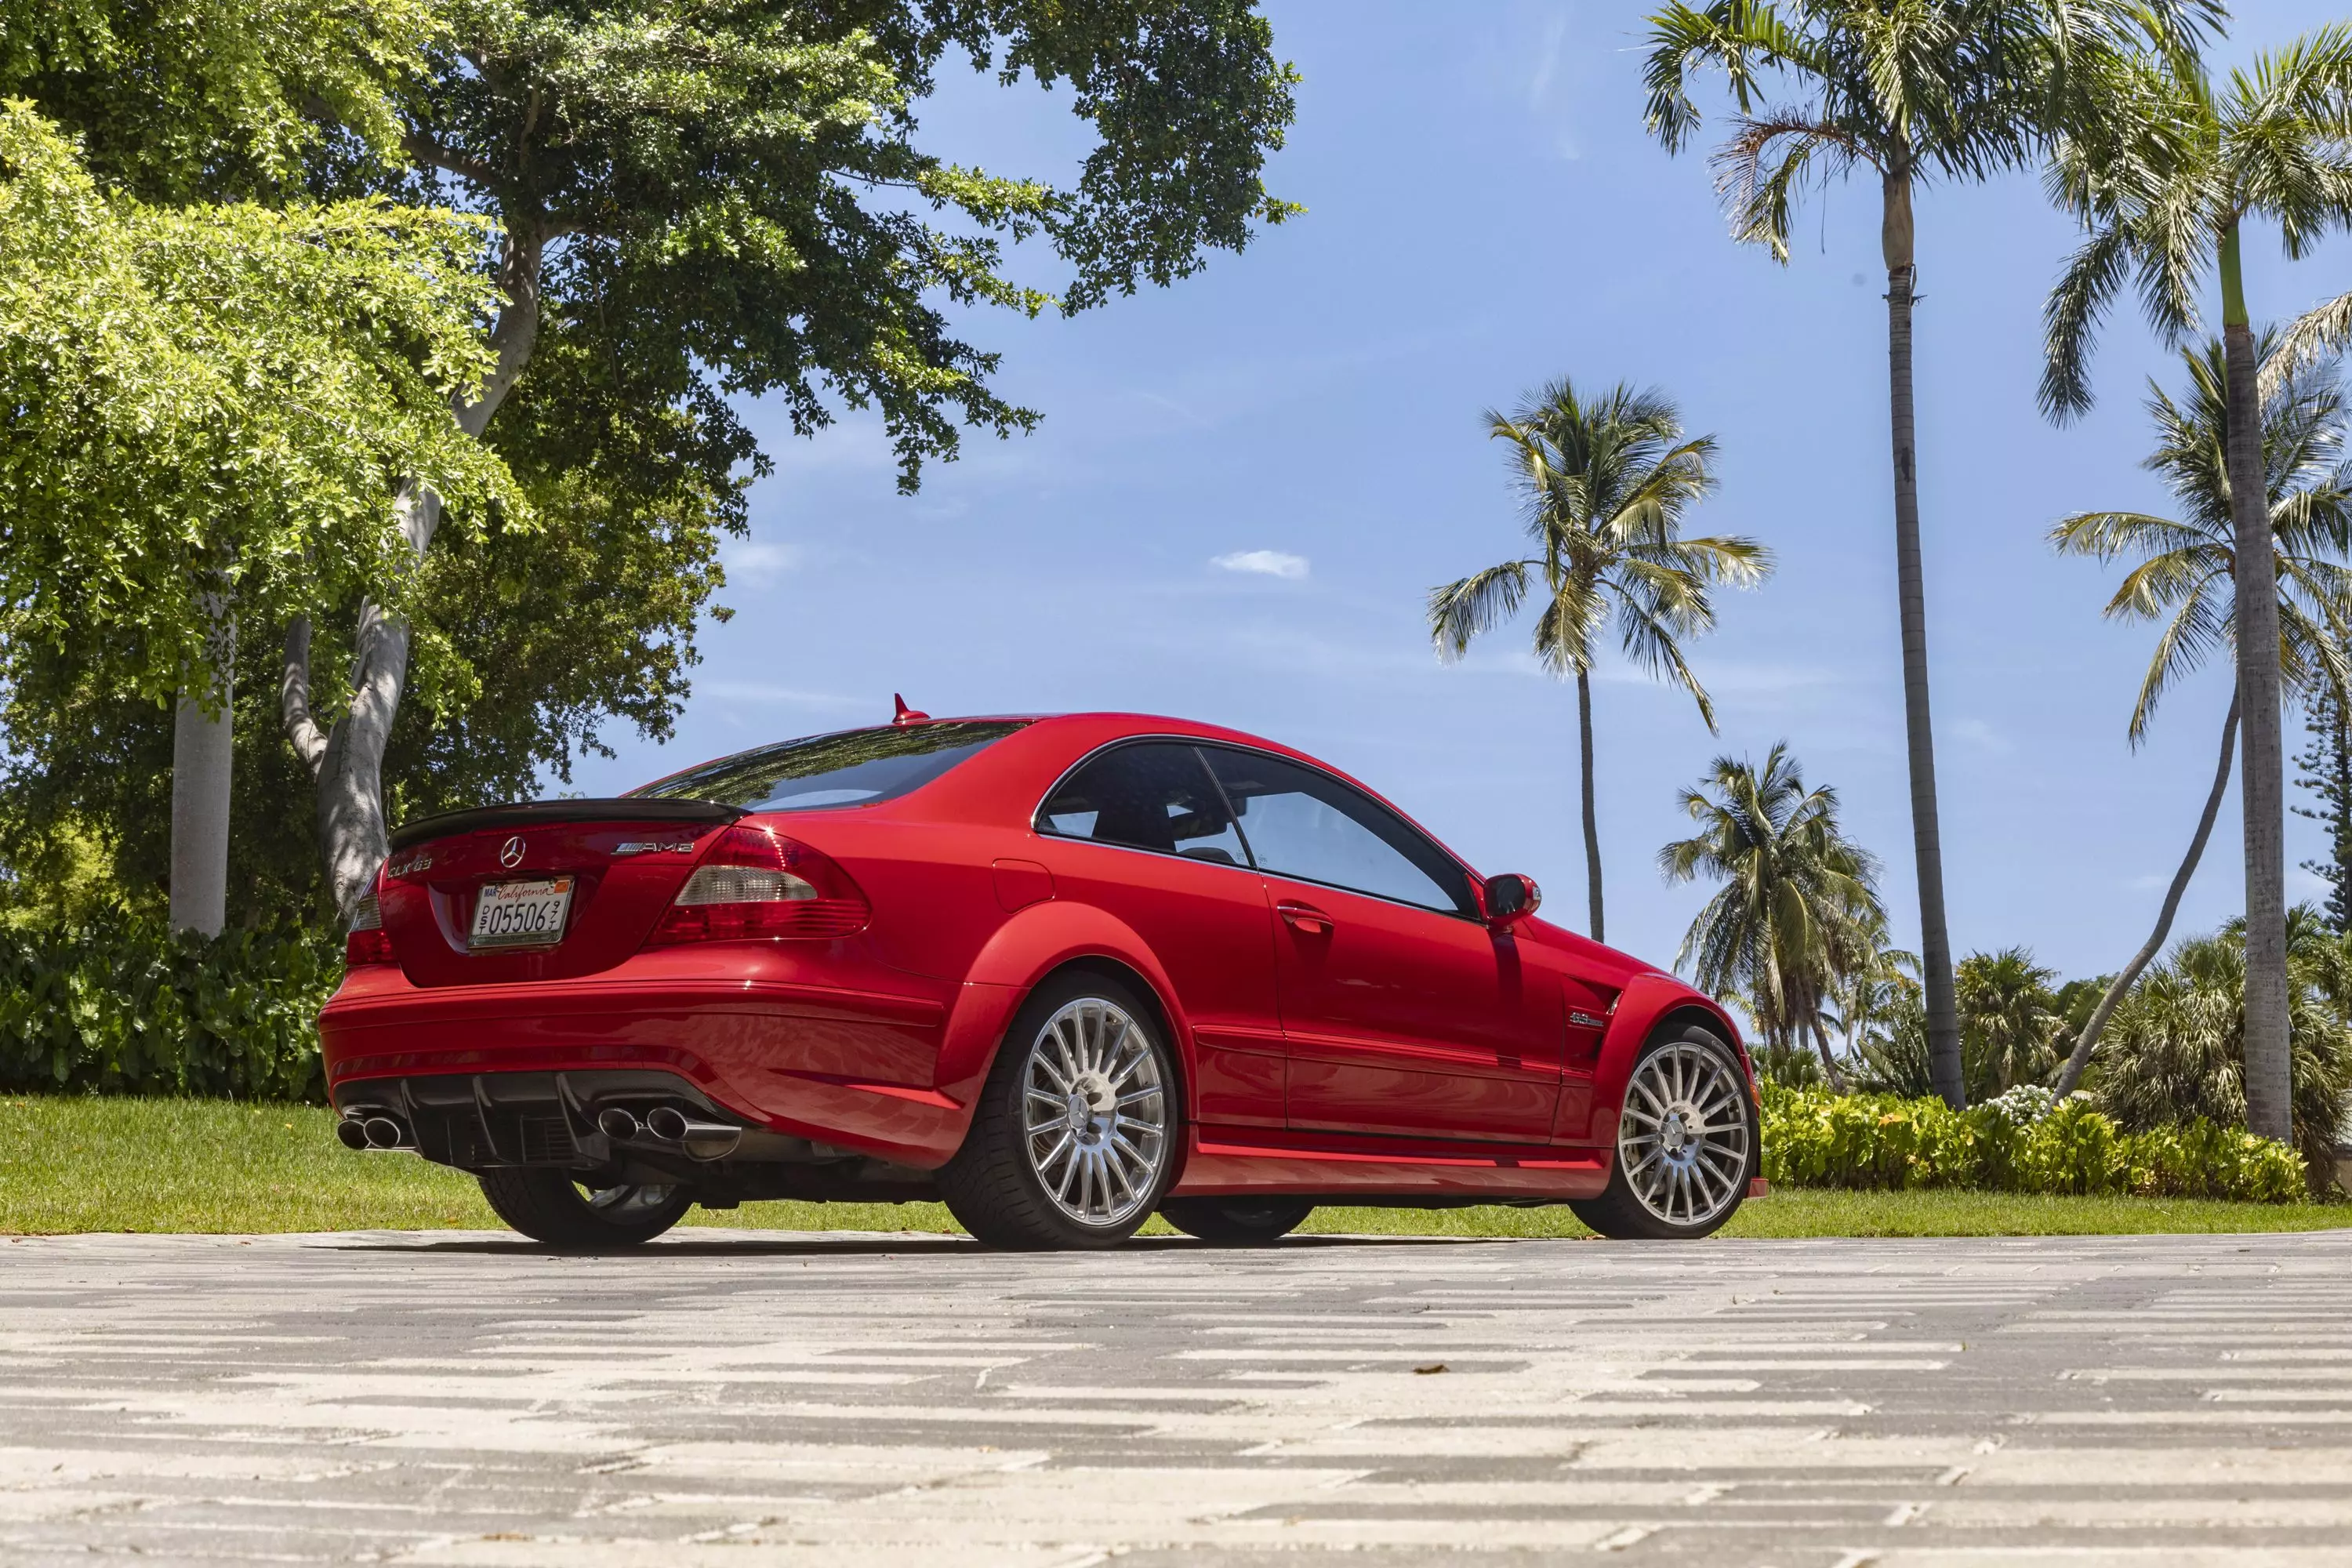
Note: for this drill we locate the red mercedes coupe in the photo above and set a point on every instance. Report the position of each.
(1062, 972)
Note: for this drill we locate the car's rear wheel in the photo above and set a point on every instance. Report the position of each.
(564, 1209)
(1236, 1222)
(1686, 1143)
(1074, 1136)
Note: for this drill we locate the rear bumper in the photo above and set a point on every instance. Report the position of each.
(828, 1064)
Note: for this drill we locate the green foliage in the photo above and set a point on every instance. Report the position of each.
(1799, 906)
(214, 401)
(2176, 1046)
(2009, 1020)
(122, 1004)
(1871, 1141)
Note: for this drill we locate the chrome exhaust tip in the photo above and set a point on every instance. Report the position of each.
(351, 1131)
(384, 1132)
(701, 1140)
(617, 1125)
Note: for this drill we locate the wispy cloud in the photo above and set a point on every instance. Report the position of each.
(1263, 562)
(756, 564)
(1978, 733)
(782, 696)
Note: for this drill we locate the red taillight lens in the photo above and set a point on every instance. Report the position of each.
(754, 884)
(367, 942)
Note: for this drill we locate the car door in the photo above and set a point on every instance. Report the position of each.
(1402, 1011)
(1141, 830)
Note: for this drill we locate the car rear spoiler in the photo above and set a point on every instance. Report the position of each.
(539, 813)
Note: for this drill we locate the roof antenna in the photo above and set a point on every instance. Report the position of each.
(906, 715)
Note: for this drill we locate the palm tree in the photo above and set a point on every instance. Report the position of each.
(1604, 485)
(1911, 91)
(2164, 182)
(1798, 903)
(2186, 576)
(2009, 1016)
(1876, 989)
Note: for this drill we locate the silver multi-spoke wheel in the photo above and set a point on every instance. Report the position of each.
(1682, 1142)
(1094, 1120)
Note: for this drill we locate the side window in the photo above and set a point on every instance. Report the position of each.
(1305, 823)
(1153, 796)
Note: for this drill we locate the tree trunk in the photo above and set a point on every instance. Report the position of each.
(2268, 1095)
(2080, 1057)
(1926, 838)
(1592, 822)
(1829, 1062)
(348, 760)
(203, 752)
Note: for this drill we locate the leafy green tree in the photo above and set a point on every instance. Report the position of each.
(732, 202)
(2165, 179)
(1908, 93)
(2186, 578)
(1877, 985)
(2177, 1050)
(2325, 768)
(1798, 902)
(1603, 484)
(208, 402)
(2009, 1016)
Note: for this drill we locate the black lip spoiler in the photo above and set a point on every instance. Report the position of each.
(539, 813)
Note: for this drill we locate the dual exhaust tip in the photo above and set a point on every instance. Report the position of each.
(701, 1140)
(377, 1131)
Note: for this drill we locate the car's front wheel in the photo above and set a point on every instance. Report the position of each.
(1075, 1137)
(1236, 1222)
(1686, 1143)
(565, 1210)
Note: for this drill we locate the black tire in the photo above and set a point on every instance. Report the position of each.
(1236, 1222)
(1089, 1024)
(1709, 1174)
(548, 1205)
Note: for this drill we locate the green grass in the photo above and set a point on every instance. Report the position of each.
(71, 1163)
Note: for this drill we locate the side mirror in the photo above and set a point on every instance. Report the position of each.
(1510, 898)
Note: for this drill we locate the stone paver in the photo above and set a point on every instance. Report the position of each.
(754, 1400)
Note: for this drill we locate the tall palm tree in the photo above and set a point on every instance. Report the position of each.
(1873, 990)
(1604, 484)
(2008, 1015)
(1910, 91)
(2186, 578)
(2165, 181)
(1798, 902)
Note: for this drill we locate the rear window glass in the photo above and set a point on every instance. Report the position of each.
(856, 767)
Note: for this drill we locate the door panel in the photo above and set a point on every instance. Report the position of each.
(1401, 1020)
(1142, 833)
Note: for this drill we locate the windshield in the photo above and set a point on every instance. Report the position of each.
(856, 767)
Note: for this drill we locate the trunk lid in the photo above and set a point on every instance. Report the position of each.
(623, 861)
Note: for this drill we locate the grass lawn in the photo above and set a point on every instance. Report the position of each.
(83, 1164)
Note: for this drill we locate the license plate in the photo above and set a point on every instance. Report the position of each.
(521, 914)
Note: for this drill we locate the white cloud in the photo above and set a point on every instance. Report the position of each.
(757, 566)
(1264, 562)
(1976, 733)
(789, 696)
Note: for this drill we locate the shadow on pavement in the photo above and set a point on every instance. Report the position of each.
(822, 1244)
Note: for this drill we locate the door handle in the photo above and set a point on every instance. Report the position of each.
(1306, 918)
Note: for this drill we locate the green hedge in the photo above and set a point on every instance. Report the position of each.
(123, 1006)
(1813, 1139)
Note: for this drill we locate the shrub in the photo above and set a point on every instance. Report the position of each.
(1873, 1140)
(124, 1005)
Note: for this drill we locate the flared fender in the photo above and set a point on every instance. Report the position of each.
(1029, 946)
(1648, 1000)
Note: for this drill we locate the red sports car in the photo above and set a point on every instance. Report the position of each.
(1062, 972)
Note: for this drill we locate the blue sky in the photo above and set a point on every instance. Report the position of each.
(1245, 485)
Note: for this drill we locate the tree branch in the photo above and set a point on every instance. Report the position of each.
(309, 741)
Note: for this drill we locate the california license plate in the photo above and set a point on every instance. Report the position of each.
(521, 914)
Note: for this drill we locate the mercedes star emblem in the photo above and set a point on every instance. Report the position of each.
(510, 853)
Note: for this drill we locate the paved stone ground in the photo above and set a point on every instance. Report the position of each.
(761, 1399)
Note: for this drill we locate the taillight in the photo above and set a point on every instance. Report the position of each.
(367, 942)
(754, 884)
